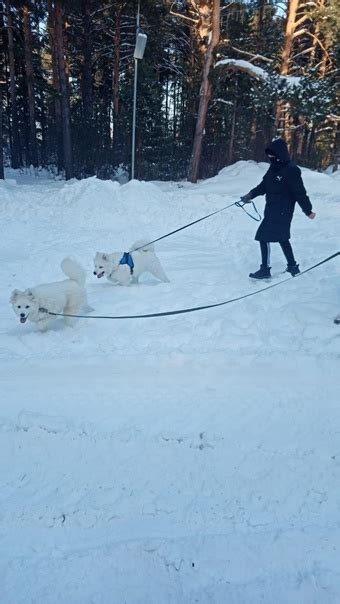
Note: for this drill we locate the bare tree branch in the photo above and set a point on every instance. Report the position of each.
(250, 54)
(182, 16)
(302, 20)
(308, 33)
(227, 6)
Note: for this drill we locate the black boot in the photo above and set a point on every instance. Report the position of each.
(262, 273)
(293, 269)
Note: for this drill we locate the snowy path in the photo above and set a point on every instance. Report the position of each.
(178, 460)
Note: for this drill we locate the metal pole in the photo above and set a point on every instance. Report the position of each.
(133, 150)
(134, 121)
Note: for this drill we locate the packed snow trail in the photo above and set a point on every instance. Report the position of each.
(186, 459)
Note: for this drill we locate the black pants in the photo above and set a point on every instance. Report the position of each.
(286, 248)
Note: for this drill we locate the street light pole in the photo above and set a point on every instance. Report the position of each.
(133, 150)
(141, 39)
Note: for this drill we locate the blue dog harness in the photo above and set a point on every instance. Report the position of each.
(127, 259)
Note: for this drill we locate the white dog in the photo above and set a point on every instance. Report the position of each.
(65, 297)
(124, 268)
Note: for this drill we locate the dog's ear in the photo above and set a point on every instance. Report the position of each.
(104, 256)
(29, 293)
(14, 295)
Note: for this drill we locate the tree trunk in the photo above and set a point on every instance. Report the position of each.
(206, 87)
(336, 152)
(262, 5)
(282, 119)
(16, 159)
(115, 73)
(2, 81)
(326, 62)
(86, 88)
(43, 122)
(310, 142)
(55, 131)
(116, 62)
(2, 173)
(232, 133)
(300, 137)
(253, 135)
(87, 95)
(65, 104)
(289, 36)
(33, 149)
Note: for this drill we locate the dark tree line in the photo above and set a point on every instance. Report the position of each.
(218, 79)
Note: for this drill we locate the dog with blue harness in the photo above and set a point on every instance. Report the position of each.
(124, 268)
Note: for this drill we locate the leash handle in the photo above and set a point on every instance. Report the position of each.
(241, 204)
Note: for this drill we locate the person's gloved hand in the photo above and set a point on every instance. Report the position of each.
(246, 198)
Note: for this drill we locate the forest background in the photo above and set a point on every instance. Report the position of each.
(218, 80)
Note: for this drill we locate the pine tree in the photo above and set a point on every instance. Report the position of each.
(64, 88)
(16, 158)
(32, 156)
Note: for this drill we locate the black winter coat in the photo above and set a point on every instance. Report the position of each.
(282, 184)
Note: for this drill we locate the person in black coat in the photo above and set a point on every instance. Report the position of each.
(283, 187)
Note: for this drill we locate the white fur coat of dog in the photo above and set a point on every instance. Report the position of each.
(144, 260)
(65, 297)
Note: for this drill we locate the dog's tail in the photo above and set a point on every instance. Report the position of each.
(73, 271)
(143, 245)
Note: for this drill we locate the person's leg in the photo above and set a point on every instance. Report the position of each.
(287, 249)
(265, 253)
(264, 271)
(288, 252)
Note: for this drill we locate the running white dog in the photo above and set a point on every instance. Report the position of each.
(65, 297)
(124, 268)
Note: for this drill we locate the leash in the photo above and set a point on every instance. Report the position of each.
(241, 204)
(238, 204)
(196, 308)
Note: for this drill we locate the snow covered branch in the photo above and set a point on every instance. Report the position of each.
(244, 66)
(253, 57)
(256, 72)
(223, 101)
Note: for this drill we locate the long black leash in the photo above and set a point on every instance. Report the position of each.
(238, 204)
(194, 309)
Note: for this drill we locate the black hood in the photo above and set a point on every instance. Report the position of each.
(279, 149)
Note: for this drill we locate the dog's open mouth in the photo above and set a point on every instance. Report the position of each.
(100, 275)
(23, 319)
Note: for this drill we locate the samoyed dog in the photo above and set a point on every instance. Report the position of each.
(65, 297)
(123, 268)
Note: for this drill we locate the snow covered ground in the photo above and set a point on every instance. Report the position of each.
(179, 460)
